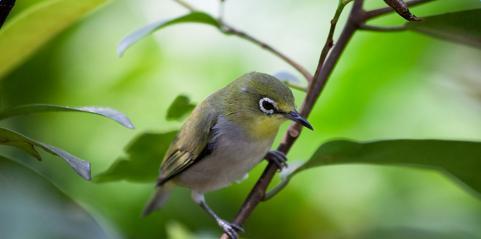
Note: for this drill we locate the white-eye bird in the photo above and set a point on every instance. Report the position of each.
(226, 135)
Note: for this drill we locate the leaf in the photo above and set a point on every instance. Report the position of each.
(290, 80)
(142, 163)
(179, 231)
(192, 17)
(17, 140)
(26, 33)
(179, 108)
(462, 27)
(459, 159)
(36, 205)
(39, 108)
(413, 232)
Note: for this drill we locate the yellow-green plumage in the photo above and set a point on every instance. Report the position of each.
(238, 102)
(225, 136)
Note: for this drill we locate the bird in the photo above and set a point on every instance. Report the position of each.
(225, 136)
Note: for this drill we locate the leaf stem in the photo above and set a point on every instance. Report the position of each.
(229, 29)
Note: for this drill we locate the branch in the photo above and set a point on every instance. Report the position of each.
(386, 10)
(228, 29)
(382, 28)
(329, 40)
(231, 30)
(323, 71)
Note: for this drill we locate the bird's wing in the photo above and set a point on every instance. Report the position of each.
(191, 144)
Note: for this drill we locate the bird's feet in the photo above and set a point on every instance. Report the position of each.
(230, 229)
(278, 158)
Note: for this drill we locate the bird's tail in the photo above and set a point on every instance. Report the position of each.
(160, 197)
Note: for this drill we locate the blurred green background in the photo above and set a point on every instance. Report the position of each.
(386, 86)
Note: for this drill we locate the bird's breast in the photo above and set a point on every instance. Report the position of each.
(234, 153)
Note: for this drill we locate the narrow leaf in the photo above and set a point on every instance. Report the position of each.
(179, 108)
(192, 17)
(39, 108)
(15, 139)
(459, 159)
(462, 27)
(26, 33)
(142, 163)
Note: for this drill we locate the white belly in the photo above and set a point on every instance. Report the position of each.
(234, 154)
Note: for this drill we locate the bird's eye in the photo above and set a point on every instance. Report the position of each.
(267, 105)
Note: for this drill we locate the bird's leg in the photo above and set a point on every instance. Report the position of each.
(278, 158)
(229, 228)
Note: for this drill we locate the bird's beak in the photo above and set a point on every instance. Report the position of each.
(294, 116)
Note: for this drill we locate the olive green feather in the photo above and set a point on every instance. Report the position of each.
(190, 143)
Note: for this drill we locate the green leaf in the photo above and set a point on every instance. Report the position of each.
(142, 163)
(17, 140)
(192, 17)
(458, 159)
(400, 232)
(179, 108)
(462, 27)
(36, 205)
(39, 108)
(25, 34)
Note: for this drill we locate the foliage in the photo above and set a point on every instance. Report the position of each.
(39, 108)
(462, 27)
(42, 22)
(193, 17)
(48, 19)
(179, 108)
(460, 159)
(14, 139)
(28, 196)
(143, 161)
(28, 145)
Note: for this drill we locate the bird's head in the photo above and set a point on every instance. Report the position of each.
(261, 103)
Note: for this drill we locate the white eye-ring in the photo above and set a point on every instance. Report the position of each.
(267, 105)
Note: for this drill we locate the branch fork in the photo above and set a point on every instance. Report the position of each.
(330, 55)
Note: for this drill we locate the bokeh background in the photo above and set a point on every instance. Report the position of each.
(386, 86)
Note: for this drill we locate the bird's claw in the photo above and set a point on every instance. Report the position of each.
(230, 229)
(278, 158)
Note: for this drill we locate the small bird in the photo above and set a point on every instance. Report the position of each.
(226, 135)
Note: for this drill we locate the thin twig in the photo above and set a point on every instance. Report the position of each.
(186, 5)
(329, 40)
(323, 71)
(368, 27)
(229, 29)
(386, 10)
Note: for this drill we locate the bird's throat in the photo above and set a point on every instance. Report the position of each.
(264, 127)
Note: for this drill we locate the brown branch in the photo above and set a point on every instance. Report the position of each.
(323, 71)
(329, 40)
(228, 29)
(386, 10)
(231, 30)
